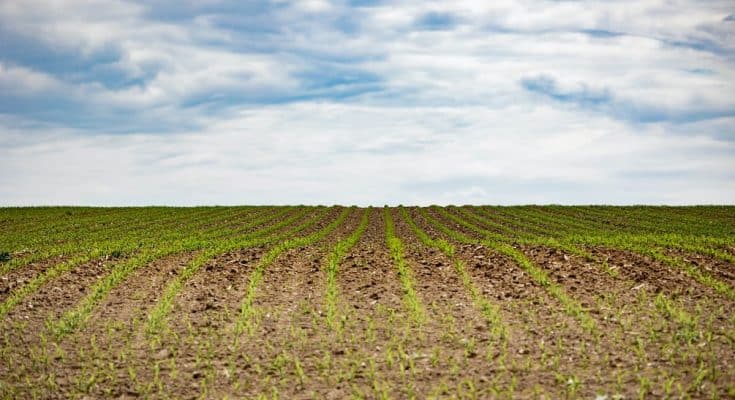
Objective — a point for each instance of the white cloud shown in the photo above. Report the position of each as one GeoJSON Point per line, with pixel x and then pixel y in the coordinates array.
{"type": "Point", "coordinates": [20, 81]}
{"type": "Point", "coordinates": [264, 156]}
{"type": "Point", "coordinates": [447, 120]}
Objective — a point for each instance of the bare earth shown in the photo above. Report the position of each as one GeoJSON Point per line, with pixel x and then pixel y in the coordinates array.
{"type": "Point", "coordinates": [379, 349]}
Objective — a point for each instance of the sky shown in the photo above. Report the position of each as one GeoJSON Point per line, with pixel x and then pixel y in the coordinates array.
{"type": "Point", "coordinates": [367, 102]}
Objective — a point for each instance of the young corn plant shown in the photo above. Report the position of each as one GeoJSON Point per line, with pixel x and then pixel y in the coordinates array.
{"type": "Point", "coordinates": [489, 310]}
{"type": "Point", "coordinates": [571, 306]}
{"type": "Point", "coordinates": [247, 310]}
{"type": "Point", "coordinates": [334, 259]}
{"type": "Point", "coordinates": [395, 246]}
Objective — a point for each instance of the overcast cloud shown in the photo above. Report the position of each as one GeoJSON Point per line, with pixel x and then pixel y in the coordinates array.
{"type": "Point", "coordinates": [366, 102]}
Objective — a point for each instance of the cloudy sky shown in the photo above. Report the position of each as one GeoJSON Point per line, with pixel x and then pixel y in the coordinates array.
{"type": "Point", "coordinates": [366, 102]}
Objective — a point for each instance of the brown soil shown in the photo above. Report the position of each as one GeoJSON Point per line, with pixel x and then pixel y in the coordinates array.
{"type": "Point", "coordinates": [53, 298]}
{"type": "Point", "coordinates": [714, 267]}
{"type": "Point", "coordinates": [535, 321]}
{"type": "Point", "coordinates": [378, 350]}
{"type": "Point", "coordinates": [657, 277]}
{"type": "Point", "coordinates": [24, 327]}
{"type": "Point", "coordinates": [23, 274]}
{"type": "Point", "coordinates": [623, 308]}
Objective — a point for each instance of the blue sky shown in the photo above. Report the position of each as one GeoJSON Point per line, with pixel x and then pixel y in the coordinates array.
{"type": "Point", "coordinates": [366, 102]}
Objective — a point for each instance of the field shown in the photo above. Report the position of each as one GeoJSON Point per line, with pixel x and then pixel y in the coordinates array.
{"type": "Point", "coordinates": [590, 302]}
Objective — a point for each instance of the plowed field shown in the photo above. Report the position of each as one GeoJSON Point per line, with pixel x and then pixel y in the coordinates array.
{"type": "Point", "coordinates": [346, 302]}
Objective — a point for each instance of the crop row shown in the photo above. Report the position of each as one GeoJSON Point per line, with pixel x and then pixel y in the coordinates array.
{"type": "Point", "coordinates": [202, 241]}
{"type": "Point", "coordinates": [561, 233]}
{"type": "Point", "coordinates": [187, 237]}
{"type": "Point", "coordinates": [126, 237]}
{"type": "Point", "coordinates": [539, 275]}
{"type": "Point", "coordinates": [395, 246]}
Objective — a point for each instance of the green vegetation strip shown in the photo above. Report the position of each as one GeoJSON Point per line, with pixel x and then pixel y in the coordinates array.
{"type": "Point", "coordinates": [105, 249]}
{"type": "Point", "coordinates": [533, 240]}
{"type": "Point", "coordinates": [689, 330]}
{"type": "Point", "coordinates": [663, 304]}
{"type": "Point", "coordinates": [707, 246]}
{"type": "Point", "coordinates": [334, 259]}
{"type": "Point", "coordinates": [123, 236]}
{"type": "Point", "coordinates": [663, 232]}
{"type": "Point", "coordinates": [630, 244]}
{"type": "Point", "coordinates": [502, 216]}
{"type": "Point", "coordinates": [126, 241]}
{"type": "Point", "coordinates": [490, 311]}
{"type": "Point", "coordinates": [21, 293]}
{"type": "Point", "coordinates": [247, 310]}
{"type": "Point", "coordinates": [157, 318]}
{"type": "Point", "coordinates": [35, 247]}
{"type": "Point", "coordinates": [73, 318]}
{"type": "Point", "coordinates": [471, 214]}
{"type": "Point", "coordinates": [571, 307]}
{"type": "Point", "coordinates": [63, 228]}
{"type": "Point", "coordinates": [411, 300]}
{"type": "Point", "coordinates": [557, 236]}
